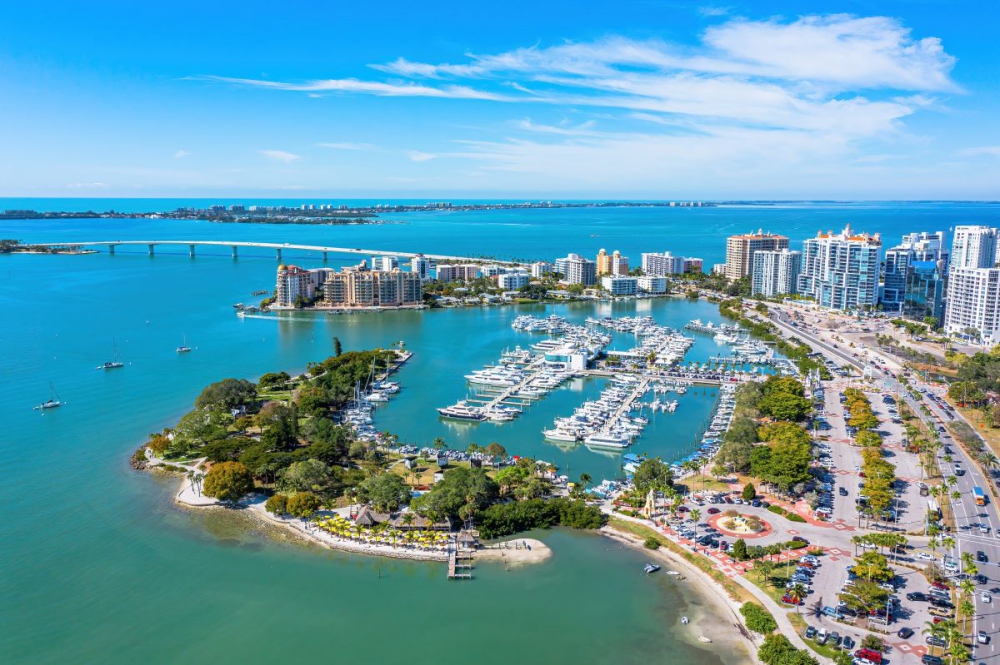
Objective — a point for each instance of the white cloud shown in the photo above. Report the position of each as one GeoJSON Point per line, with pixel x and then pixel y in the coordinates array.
{"type": "Point", "coordinates": [418, 156]}
{"type": "Point", "coordinates": [369, 87]}
{"type": "Point", "coordinates": [991, 150]}
{"type": "Point", "coordinates": [347, 146]}
{"type": "Point", "coordinates": [181, 154]}
{"type": "Point", "coordinates": [280, 156]}
{"type": "Point", "coordinates": [88, 185]}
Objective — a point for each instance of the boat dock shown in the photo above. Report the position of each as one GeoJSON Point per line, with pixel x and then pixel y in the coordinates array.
{"type": "Point", "coordinates": [459, 565]}
{"type": "Point", "coordinates": [626, 406]}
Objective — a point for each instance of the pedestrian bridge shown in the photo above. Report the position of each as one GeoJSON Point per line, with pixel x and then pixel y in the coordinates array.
{"type": "Point", "coordinates": [278, 247]}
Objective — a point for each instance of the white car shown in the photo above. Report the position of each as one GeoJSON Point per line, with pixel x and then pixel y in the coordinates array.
{"type": "Point", "coordinates": [925, 556]}
{"type": "Point", "coordinates": [985, 597]}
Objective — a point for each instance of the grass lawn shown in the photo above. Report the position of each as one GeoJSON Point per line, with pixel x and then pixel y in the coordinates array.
{"type": "Point", "coordinates": [699, 483]}
{"type": "Point", "coordinates": [800, 624]}
{"type": "Point", "coordinates": [423, 471]}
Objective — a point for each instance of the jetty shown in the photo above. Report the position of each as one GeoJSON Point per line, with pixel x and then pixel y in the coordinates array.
{"type": "Point", "coordinates": [460, 565]}
{"type": "Point", "coordinates": [640, 389]}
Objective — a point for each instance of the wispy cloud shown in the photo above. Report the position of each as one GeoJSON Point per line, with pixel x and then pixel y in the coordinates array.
{"type": "Point", "coordinates": [991, 150]}
{"type": "Point", "coordinates": [280, 156]}
{"type": "Point", "coordinates": [368, 87]}
{"type": "Point", "coordinates": [418, 156]}
{"type": "Point", "coordinates": [88, 185]}
{"type": "Point", "coordinates": [181, 154]}
{"type": "Point", "coordinates": [347, 146]}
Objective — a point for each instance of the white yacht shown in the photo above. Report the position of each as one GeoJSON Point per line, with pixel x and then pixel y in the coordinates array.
{"type": "Point", "coordinates": [461, 411]}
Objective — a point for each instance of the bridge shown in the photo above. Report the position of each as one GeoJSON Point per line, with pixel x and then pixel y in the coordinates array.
{"type": "Point", "coordinates": [278, 247]}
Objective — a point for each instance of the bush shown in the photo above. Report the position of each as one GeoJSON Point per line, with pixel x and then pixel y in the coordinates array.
{"type": "Point", "coordinates": [303, 504]}
{"type": "Point", "coordinates": [749, 492]}
{"type": "Point", "coordinates": [758, 619]}
{"type": "Point", "coordinates": [794, 517]}
{"type": "Point", "coordinates": [277, 504]}
{"type": "Point", "coordinates": [652, 543]}
{"type": "Point", "coordinates": [739, 551]}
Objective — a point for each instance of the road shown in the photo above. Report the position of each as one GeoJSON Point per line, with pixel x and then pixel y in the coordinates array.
{"type": "Point", "coordinates": [966, 510]}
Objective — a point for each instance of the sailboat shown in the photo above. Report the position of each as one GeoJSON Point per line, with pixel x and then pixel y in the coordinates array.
{"type": "Point", "coordinates": [53, 401]}
{"type": "Point", "coordinates": [184, 348]}
{"type": "Point", "coordinates": [115, 362]}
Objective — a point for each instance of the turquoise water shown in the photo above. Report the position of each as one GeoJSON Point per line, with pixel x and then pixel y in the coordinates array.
{"type": "Point", "coordinates": [98, 564]}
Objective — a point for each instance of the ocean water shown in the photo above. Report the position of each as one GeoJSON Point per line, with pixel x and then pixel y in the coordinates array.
{"type": "Point", "coordinates": [98, 563]}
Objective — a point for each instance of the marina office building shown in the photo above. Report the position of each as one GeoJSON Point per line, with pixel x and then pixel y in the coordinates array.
{"type": "Point", "coordinates": [775, 272]}
{"type": "Point", "coordinates": [840, 271]}
{"type": "Point", "coordinates": [741, 248]}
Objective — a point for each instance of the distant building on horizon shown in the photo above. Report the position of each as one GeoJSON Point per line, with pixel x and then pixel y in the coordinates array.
{"type": "Point", "coordinates": [421, 265]}
{"type": "Point", "coordinates": [841, 270]}
{"type": "Point", "coordinates": [775, 272]}
{"type": "Point", "coordinates": [741, 248]}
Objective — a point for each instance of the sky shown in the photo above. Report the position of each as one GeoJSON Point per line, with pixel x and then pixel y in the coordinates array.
{"type": "Point", "coordinates": [638, 99]}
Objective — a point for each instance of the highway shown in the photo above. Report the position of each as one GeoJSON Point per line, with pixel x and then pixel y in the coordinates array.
{"type": "Point", "coordinates": [233, 244]}
{"type": "Point", "coordinates": [968, 539]}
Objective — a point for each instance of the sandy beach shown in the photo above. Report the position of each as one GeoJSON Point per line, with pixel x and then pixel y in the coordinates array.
{"type": "Point", "coordinates": [720, 622]}
{"type": "Point", "coordinates": [515, 552]}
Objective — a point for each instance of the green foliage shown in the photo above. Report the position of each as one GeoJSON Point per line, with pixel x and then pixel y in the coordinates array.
{"type": "Point", "coordinates": [503, 519]}
{"type": "Point", "coordinates": [386, 492]}
{"type": "Point", "coordinates": [758, 619]}
{"type": "Point", "coordinates": [310, 476]}
{"type": "Point", "coordinates": [785, 406]}
{"type": "Point", "coordinates": [783, 463]}
{"type": "Point", "coordinates": [777, 650]}
{"type": "Point", "coordinates": [303, 504]}
{"type": "Point", "coordinates": [228, 481]}
{"type": "Point", "coordinates": [651, 543]}
{"type": "Point", "coordinates": [277, 504]}
{"type": "Point", "coordinates": [784, 432]}
{"type": "Point", "coordinates": [749, 492]}
{"type": "Point", "coordinates": [868, 439]}
{"type": "Point", "coordinates": [227, 394]}
{"type": "Point", "coordinates": [458, 487]}
{"type": "Point", "coordinates": [739, 551]}
{"type": "Point", "coordinates": [653, 474]}
{"type": "Point", "coordinates": [273, 381]}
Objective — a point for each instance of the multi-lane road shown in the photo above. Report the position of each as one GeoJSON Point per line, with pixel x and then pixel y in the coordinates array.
{"type": "Point", "coordinates": [969, 515]}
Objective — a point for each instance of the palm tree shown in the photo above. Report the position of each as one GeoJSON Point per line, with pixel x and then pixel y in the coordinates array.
{"type": "Point", "coordinates": [764, 567]}
{"type": "Point", "coordinates": [585, 479]}
{"type": "Point", "coordinates": [939, 630]}
{"type": "Point", "coordinates": [989, 460]}
{"type": "Point", "coordinates": [968, 564]}
{"type": "Point", "coordinates": [948, 543]}
{"type": "Point", "coordinates": [968, 610]}
{"type": "Point", "coordinates": [696, 515]}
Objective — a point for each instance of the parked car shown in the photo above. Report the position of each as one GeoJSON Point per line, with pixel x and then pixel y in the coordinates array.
{"type": "Point", "coordinates": [810, 632]}
{"type": "Point", "coordinates": [928, 659]}
{"type": "Point", "coordinates": [905, 633]}
{"type": "Point", "coordinates": [982, 637]}
{"type": "Point", "coordinates": [916, 596]}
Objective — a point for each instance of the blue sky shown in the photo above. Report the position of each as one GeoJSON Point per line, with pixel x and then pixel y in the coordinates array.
{"type": "Point", "coordinates": [629, 99]}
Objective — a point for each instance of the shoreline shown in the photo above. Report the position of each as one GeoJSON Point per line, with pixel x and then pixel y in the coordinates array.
{"type": "Point", "coordinates": [736, 639]}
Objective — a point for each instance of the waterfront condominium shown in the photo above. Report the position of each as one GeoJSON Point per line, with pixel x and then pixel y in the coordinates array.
{"type": "Point", "coordinates": [973, 308]}
{"type": "Point", "coordinates": [619, 285]}
{"type": "Point", "coordinates": [357, 286]}
{"type": "Point", "coordinates": [540, 268]}
{"type": "Point", "coordinates": [840, 270]}
{"type": "Point", "coordinates": [296, 284]}
{"type": "Point", "coordinates": [914, 276]}
{"type": "Point", "coordinates": [577, 270]}
{"type": "Point", "coordinates": [611, 264]}
{"type": "Point", "coordinates": [421, 265]}
{"type": "Point", "coordinates": [974, 247]}
{"type": "Point", "coordinates": [741, 248]}
{"type": "Point", "coordinates": [660, 264]}
{"type": "Point", "coordinates": [775, 272]}
{"type": "Point", "coordinates": [454, 272]}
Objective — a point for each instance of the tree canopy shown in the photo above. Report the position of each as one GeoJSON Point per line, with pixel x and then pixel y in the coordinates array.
{"type": "Point", "coordinates": [228, 394]}
{"type": "Point", "coordinates": [653, 474]}
{"type": "Point", "coordinates": [386, 492]}
{"type": "Point", "coordinates": [460, 486]}
{"type": "Point", "coordinates": [228, 481]}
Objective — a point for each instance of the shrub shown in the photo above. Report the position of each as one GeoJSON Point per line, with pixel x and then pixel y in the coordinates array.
{"type": "Point", "coordinates": [749, 492]}
{"type": "Point", "coordinates": [503, 519]}
{"type": "Point", "coordinates": [303, 504]}
{"type": "Point", "coordinates": [758, 619]}
{"type": "Point", "coordinates": [277, 504]}
{"type": "Point", "coordinates": [652, 543]}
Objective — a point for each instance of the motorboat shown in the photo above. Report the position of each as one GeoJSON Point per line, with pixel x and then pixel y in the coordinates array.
{"type": "Point", "coordinates": [650, 568]}
{"type": "Point", "coordinates": [461, 411]}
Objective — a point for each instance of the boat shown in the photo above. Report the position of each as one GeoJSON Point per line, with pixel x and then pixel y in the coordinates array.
{"type": "Point", "coordinates": [651, 568]}
{"type": "Point", "coordinates": [685, 620]}
{"type": "Point", "coordinates": [672, 572]}
{"type": "Point", "coordinates": [184, 348]}
{"type": "Point", "coordinates": [52, 402]}
{"type": "Point", "coordinates": [461, 411]}
{"type": "Point", "coordinates": [702, 638]}
{"type": "Point", "coordinates": [559, 434]}
{"type": "Point", "coordinates": [609, 440]}
{"type": "Point", "coordinates": [115, 362]}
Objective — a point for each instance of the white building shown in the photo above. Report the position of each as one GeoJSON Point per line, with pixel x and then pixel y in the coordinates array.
{"type": "Point", "coordinates": [775, 272]}
{"type": "Point", "coordinates": [841, 270]}
{"type": "Point", "coordinates": [974, 303]}
{"type": "Point", "coordinates": [385, 263]}
{"type": "Point", "coordinates": [620, 286]}
{"type": "Point", "coordinates": [974, 247]}
{"type": "Point", "coordinates": [539, 268]}
{"type": "Point", "coordinates": [295, 283]}
{"type": "Point", "coordinates": [652, 284]}
{"type": "Point", "coordinates": [512, 281]}
{"type": "Point", "coordinates": [577, 270]}
{"type": "Point", "coordinates": [665, 263]}
{"type": "Point", "coordinates": [420, 265]}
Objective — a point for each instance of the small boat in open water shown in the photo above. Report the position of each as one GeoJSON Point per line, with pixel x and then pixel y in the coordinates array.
{"type": "Point", "coordinates": [52, 402]}
{"type": "Point", "coordinates": [115, 362]}
{"type": "Point", "coordinates": [184, 348]}
{"type": "Point", "coordinates": [651, 568]}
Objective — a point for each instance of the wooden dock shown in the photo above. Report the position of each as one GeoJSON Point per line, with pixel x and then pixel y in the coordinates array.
{"type": "Point", "coordinates": [459, 565]}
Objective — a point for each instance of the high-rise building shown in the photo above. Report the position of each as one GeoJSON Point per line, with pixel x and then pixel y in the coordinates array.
{"type": "Point", "coordinates": [652, 284]}
{"type": "Point", "coordinates": [775, 272]}
{"type": "Point", "coordinates": [539, 268]}
{"type": "Point", "coordinates": [974, 247]}
{"type": "Point", "coordinates": [665, 263]}
{"type": "Point", "coordinates": [973, 307]}
{"type": "Point", "coordinates": [841, 270]}
{"type": "Point", "coordinates": [741, 248]}
{"type": "Point", "coordinates": [611, 264]}
{"type": "Point", "coordinates": [295, 283]}
{"type": "Point", "coordinates": [577, 270]}
{"type": "Point", "coordinates": [511, 281]}
{"type": "Point", "coordinates": [916, 249]}
{"type": "Point", "coordinates": [603, 263]}
{"type": "Point", "coordinates": [359, 287]}
{"type": "Point", "coordinates": [620, 285]}
{"type": "Point", "coordinates": [457, 272]}
{"type": "Point", "coordinates": [420, 265]}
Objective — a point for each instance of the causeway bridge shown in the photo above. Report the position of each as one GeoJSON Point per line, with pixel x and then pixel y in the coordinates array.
{"type": "Point", "coordinates": [278, 247]}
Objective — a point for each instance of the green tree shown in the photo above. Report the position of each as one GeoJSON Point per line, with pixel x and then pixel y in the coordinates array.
{"type": "Point", "coordinates": [228, 481]}
{"type": "Point", "coordinates": [739, 551]}
{"type": "Point", "coordinates": [652, 474]}
{"type": "Point", "coordinates": [749, 492]}
{"type": "Point", "coordinates": [277, 504]}
{"type": "Point", "coordinates": [228, 394]}
{"type": "Point", "coordinates": [338, 349]}
{"type": "Point", "coordinates": [785, 406]}
{"type": "Point", "coordinates": [303, 504]}
{"type": "Point", "coordinates": [459, 486]}
{"type": "Point", "coordinates": [386, 492]}
{"type": "Point", "coordinates": [307, 476]}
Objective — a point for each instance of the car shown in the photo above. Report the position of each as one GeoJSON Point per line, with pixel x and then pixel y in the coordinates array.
{"type": "Point", "coordinates": [925, 556]}
{"type": "Point", "coordinates": [831, 612]}
{"type": "Point", "coordinates": [936, 641]}
{"type": "Point", "coordinates": [981, 579]}
{"type": "Point", "coordinates": [848, 643]}
{"type": "Point", "coordinates": [713, 511]}
{"type": "Point", "coordinates": [983, 529]}
{"type": "Point", "coordinates": [843, 491]}
{"type": "Point", "coordinates": [905, 633]}
{"type": "Point", "coordinates": [986, 597]}
{"type": "Point", "coordinates": [916, 596]}
{"type": "Point", "coordinates": [928, 659]}
{"type": "Point", "coordinates": [869, 654]}
{"type": "Point", "coordinates": [791, 600]}
{"type": "Point", "coordinates": [810, 632]}
{"type": "Point", "coordinates": [982, 637]}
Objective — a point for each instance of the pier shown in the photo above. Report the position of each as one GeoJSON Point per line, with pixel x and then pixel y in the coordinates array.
{"type": "Point", "coordinates": [233, 245]}
{"type": "Point", "coordinates": [637, 392]}
{"type": "Point", "coordinates": [460, 565]}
